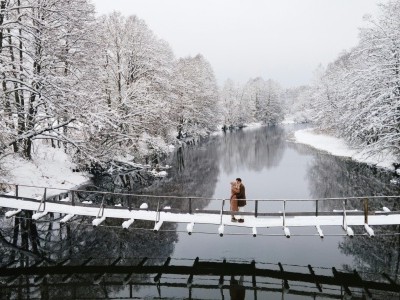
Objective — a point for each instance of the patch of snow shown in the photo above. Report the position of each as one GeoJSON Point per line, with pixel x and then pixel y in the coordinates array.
{"type": "Point", "coordinates": [167, 207]}
{"type": "Point", "coordinates": [49, 167]}
{"type": "Point", "coordinates": [253, 125]}
{"type": "Point", "coordinates": [338, 147]}
{"type": "Point", "coordinates": [288, 120]}
{"type": "Point", "coordinates": [159, 174]}
{"type": "Point", "coordinates": [144, 206]}
{"type": "Point", "coordinates": [87, 202]}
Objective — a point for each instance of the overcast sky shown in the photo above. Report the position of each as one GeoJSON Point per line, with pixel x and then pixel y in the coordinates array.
{"type": "Point", "coordinates": [280, 39]}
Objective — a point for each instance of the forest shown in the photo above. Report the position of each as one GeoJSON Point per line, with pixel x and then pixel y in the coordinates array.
{"type": "Point", "coordinates": [106, 88]}
{"type": "Point", "coordinates": [357, 96]}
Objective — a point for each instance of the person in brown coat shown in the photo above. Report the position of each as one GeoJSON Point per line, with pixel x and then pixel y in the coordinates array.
{"type": "Point", "coordinates": [241, 196]}
{"type": "Point", "coordinates": [235, 189]}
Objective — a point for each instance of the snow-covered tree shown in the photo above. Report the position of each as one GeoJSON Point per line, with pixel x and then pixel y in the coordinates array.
{"type": "Point", "coordinates": [196, 97]}
{"type": "Point", "coordinates": [256, 101]}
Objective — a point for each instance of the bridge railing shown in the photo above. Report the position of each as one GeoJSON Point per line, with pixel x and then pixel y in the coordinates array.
{"type": "Point", "coordinates": [359, 205]}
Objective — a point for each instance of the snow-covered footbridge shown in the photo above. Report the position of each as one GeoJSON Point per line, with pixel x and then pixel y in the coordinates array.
{"type": "Point", "coordinates": [345, 214]}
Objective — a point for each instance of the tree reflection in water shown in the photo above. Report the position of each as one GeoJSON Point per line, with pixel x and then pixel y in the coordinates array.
{"type": "Point", "coordinates": [255, 149]}
{"type": "Point", "coordinates": [195, 172]}
{"type": "Point", "coordinates": [339, 177]}
{"type": "Point", "coordinates": [27, 242]}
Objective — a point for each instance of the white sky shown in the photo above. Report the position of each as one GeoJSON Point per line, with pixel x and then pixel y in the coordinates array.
{"type": "Point", "coordinates": [280, 39]}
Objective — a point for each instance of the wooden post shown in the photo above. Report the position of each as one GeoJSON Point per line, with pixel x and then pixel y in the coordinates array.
{"type": "Point", "coordinates": [316, 208]}
{"type": "Point", "coordinates": [190, 205]}
{"type": "Point", "coordinates": [16, 190]}
{"type": "Point", "coordinates": [256, 209]}
{"type": "Point", "coordinates": [72, 198]}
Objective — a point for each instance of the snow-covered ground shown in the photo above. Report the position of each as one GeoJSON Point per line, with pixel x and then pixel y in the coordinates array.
{"type": "Point", "coordinates": [49, 167]}
{"type": "Point", "coordinates": [338, 147]}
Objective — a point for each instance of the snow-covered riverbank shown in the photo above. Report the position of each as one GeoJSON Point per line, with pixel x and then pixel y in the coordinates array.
{"type": "Point", "coordinates": [338, 147]}
{"type": "Point", "coordinates": [49, 167]}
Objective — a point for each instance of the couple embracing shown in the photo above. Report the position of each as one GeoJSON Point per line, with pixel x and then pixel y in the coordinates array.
{"type": "Point", "coordinates": [238, 198]}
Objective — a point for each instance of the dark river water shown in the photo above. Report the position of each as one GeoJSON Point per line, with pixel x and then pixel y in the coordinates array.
{"type": "Point", "coordinates": [271, 166]}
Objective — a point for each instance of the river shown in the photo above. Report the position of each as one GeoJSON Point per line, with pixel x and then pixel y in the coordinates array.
{"type": "Point", "coordinates": [271, 166]}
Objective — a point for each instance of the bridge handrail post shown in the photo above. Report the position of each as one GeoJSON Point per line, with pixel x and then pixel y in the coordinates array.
{"type": "Point", "coordinates": [43, 202]}
{"type": "Point", "coordinates": [101, 209]}
{"type": "Point", "coordinates": [366, 210]}
{"type": "Point", "coordinates": [158, 211]}
{"type": "Point", "coordinates": [222, 210]}
{"type": "Point", "coordinates": [16, 190]}
{"type": "Point", "coordinates": [190, 205]}
{"type": "Point", "coordinates": [72, 198]}
{"type": "Point", "coordinates": [284, 213]}
{"type": "Point", "coordinates": [344, 224]}
{"type": "Point", "coordinates": [316, 207]}
{"type": "Point", "coordinates": [256, 208]}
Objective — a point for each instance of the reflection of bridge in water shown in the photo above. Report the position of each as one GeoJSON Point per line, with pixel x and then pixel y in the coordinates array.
{"type": "Point", "coordinates": [210, 275]}
{"type": "Point", "coordinates": [353, 211]}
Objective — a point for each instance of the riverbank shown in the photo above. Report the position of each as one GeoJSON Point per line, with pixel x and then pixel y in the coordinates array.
{"type": "Point", "coordinates": [338, 147]}
{"type": "Point", "coordinates": [49, 167]}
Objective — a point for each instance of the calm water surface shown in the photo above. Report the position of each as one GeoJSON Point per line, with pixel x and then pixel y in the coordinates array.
{"type": "Point", "coordinates": [271, 166]}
